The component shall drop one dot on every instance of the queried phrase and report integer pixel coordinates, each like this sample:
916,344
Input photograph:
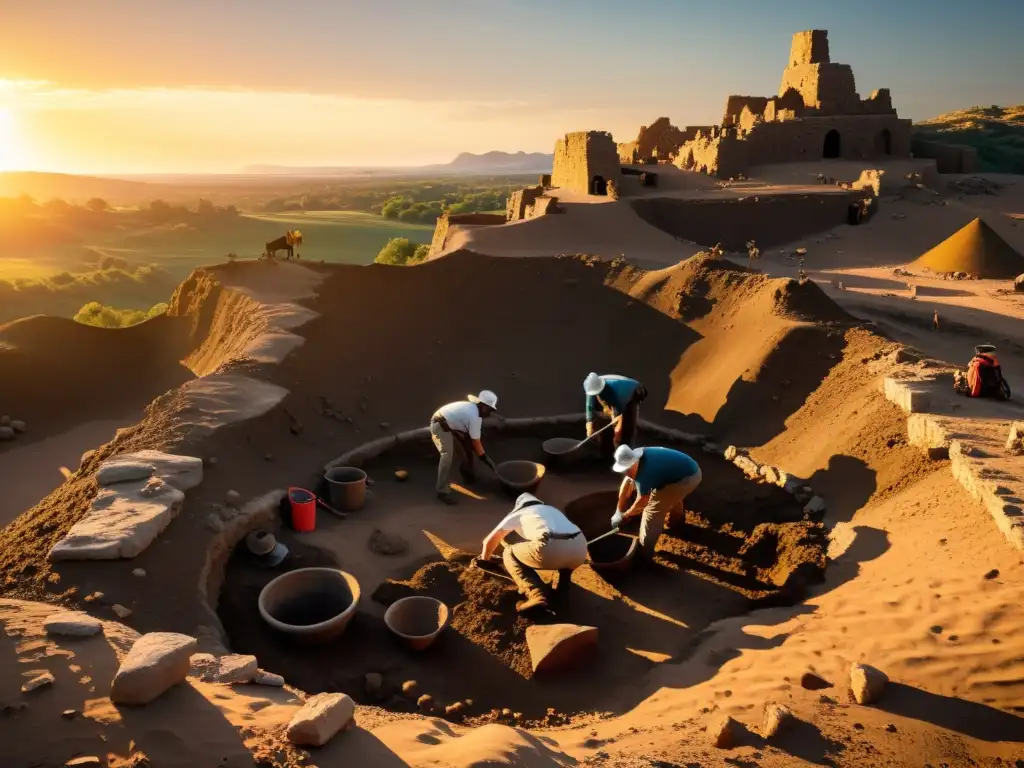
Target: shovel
321,503
612,532
586,440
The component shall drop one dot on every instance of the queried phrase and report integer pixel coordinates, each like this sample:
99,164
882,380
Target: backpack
985,377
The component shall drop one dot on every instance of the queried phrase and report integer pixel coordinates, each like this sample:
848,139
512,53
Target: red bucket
303,509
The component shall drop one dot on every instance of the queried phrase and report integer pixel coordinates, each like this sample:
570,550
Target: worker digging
611,397
456,427
550,542
661,479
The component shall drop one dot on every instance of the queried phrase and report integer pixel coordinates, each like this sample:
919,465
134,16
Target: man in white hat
457,426
617,397
551,542
661,478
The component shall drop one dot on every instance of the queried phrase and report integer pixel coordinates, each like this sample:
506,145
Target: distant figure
456,427
287,243
935,321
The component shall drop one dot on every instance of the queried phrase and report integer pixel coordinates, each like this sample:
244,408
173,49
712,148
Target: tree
97,205
205,208
399,251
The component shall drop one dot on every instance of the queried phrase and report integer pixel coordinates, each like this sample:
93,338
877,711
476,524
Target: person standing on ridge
457,426
662,478
551,542
617,397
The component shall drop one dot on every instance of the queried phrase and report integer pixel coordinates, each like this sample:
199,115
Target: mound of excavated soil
976,249
55,373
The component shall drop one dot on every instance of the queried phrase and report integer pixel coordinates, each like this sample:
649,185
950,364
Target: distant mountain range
467,162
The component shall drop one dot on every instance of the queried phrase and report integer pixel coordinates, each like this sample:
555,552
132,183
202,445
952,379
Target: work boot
447,498
563,583
533,600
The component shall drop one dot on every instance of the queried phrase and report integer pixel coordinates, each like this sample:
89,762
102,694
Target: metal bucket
347,488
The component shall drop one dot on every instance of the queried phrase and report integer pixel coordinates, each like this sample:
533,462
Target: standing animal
287,243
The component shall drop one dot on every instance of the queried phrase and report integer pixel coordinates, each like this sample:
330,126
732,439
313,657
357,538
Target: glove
490,463
617,519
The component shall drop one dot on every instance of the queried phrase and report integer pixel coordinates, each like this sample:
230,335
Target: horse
285,243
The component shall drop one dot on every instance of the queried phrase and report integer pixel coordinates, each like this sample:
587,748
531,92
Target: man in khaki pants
551,542
456,427
662,478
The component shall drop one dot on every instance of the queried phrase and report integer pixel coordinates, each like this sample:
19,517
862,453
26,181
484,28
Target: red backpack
985,377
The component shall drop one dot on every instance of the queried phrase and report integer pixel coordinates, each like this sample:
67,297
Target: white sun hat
486,397
593,384
626,457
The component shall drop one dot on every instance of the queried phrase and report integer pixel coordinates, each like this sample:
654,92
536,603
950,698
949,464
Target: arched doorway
831,148
598,186
883,142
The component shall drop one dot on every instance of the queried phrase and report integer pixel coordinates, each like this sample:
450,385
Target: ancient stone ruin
585,162
816,115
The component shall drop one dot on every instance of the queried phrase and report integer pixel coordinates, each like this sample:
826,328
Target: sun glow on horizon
10,153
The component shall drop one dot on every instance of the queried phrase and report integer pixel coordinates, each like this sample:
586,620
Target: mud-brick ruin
816,115
585,162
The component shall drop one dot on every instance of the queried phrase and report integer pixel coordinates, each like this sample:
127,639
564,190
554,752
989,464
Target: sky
212,86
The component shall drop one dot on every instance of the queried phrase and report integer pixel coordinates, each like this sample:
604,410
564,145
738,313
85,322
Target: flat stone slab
157,662
123,521
554,646
181,472
72,624
320,718
234,668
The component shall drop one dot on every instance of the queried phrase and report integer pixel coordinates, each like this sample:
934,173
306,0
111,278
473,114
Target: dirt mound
976,249
55,373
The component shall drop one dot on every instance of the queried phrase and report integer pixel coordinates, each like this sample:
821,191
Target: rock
387,543
1018,283
776,717
181,472
725,732
121,611
455,710
83,762
1015,442
234,668
813,682
121,523
373,682
6,433
233,499
409,688
425,703
140,572
730,453
993,574
770,474
401,474
816,506
268,678
158,661
385,425
38,681
94,597
69,714
866,683
72,624
214,522
748,466
18,426
212,461
320,718
553,646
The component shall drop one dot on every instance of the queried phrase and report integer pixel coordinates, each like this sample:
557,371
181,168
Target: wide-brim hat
593,384
626,457
263,545
486,397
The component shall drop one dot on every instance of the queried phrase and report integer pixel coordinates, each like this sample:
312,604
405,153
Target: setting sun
9,153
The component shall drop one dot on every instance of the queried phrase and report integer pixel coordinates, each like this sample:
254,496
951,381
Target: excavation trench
739,545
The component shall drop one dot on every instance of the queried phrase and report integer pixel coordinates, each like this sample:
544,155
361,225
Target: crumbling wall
803,139
628,152
439,242
714,152
735,105
583,156
519,201
544,205
949,158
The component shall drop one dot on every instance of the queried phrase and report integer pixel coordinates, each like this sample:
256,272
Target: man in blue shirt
662,478
615,397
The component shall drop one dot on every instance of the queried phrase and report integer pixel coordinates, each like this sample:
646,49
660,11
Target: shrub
401,251
104,316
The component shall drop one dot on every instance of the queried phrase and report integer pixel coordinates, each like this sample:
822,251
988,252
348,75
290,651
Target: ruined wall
628,152
949,158
735,105
803,140
581,156
445,221
519,201
770,220
714,152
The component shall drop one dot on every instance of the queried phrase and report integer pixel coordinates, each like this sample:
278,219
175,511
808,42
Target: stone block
72,624
233,668
555,646
156,662
320,718
866,683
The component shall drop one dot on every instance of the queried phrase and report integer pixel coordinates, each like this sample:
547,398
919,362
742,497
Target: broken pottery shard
556,645
233,668
320,718
72,624
38,681
181,472
776,717
157,662
121,523
866,683
725,732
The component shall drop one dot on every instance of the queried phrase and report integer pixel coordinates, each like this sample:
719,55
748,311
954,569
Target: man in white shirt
551,542
457,426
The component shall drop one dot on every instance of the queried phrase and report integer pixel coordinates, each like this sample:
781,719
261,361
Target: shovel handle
604,536
609,425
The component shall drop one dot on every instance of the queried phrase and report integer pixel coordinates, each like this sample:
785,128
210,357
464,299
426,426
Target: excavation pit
736,545
520,476
613,553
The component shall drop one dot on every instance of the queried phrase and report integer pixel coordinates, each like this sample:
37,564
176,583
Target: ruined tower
826,87
585,162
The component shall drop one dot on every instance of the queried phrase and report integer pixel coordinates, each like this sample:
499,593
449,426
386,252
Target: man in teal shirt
616,397
661,478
